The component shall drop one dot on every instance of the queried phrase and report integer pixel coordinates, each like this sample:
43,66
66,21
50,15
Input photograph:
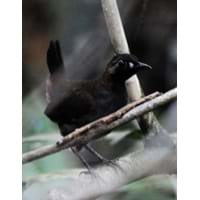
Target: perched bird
72,104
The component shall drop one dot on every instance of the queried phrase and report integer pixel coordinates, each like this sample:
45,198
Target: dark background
80,27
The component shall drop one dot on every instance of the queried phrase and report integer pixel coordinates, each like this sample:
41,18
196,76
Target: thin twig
103,125
120,45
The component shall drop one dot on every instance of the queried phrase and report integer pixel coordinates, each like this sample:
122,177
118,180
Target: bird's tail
54,57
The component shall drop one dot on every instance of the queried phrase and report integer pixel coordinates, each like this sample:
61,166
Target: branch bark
118,39
104,125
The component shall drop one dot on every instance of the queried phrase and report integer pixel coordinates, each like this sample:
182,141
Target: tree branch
147,161
104,125
120,45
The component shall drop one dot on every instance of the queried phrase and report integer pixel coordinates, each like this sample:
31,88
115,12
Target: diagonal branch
120,45
104,125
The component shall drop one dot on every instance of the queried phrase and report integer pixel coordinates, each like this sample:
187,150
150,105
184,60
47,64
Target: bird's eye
121,63
131,65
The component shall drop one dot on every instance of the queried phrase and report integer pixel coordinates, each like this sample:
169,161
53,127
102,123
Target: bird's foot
86,172
109,162
82,159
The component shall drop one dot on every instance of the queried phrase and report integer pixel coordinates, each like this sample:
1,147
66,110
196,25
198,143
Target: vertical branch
120,45
115,27
118,39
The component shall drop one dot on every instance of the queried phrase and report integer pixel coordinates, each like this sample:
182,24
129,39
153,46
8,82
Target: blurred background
150,27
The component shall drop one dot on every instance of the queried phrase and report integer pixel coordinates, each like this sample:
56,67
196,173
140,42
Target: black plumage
72,104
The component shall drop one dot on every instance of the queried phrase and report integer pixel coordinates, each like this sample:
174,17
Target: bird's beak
144,66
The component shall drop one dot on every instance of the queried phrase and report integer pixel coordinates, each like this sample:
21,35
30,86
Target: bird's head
123,66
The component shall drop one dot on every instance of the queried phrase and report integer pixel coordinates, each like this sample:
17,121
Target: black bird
72,104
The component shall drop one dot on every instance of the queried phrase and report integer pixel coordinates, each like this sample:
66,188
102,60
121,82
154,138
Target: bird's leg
64,128
69,128
99,156
82,159
95,153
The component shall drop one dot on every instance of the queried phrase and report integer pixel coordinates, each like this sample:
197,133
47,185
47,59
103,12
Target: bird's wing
72,106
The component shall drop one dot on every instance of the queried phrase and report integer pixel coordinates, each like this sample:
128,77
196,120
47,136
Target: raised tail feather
54,57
